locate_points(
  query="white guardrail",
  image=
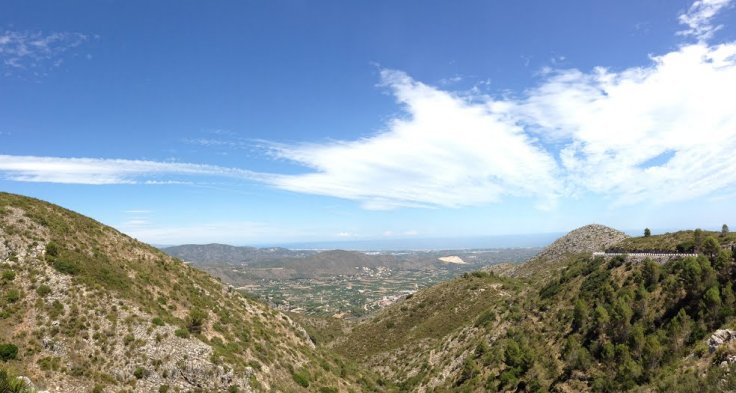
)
(643, 254)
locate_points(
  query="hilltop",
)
(571, 323)
(586, 239)
(84, 308)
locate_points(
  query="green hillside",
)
(584, 324)
(86, 308)
(681, 241)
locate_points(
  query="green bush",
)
(66, 267)
(301, 378)
(140, 373)
(12, 296)
(49, 363)
(43, 290)
(8, 352)
(52, 250)
(195, 320)
(485, 317)
(183, 333)
(157, 321)
(8, 275)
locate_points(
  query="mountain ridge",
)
(88, 307)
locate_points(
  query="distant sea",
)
(426, 244)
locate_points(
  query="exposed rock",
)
(720, 337)
(27, 381)
(586, 239)
(589, 238)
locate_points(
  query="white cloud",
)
(109, 171)
(448, 151)
(698, 18)
(36, 51)
(613, 124)
(662, 132)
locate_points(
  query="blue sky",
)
(253, 122)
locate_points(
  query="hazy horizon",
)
(532, 240)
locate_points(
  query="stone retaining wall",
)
(641, 256)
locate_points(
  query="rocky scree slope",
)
(87, 307)
(586, 239)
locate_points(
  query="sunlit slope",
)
(89, 307)
(577, 323)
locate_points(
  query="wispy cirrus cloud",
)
(97, 171)
(699, 18)
(36, 52)
(447, 151)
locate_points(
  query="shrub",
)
(183, 333)
(49, 363)
(484, 318)
(195, 320)
(140, 373)
(163, 389)
(8, 352)
(52, 250)
(301, 378)
(12, 296)
(157, 321)
(43, 290)
(66, 267)
(8, 275)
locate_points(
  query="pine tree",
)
(698, 239)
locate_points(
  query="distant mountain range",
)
(280, 263)
(215, 253)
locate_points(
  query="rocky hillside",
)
(85, 308)
(586, 239)
(589, 238)
(421, 343)
(590, 324)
